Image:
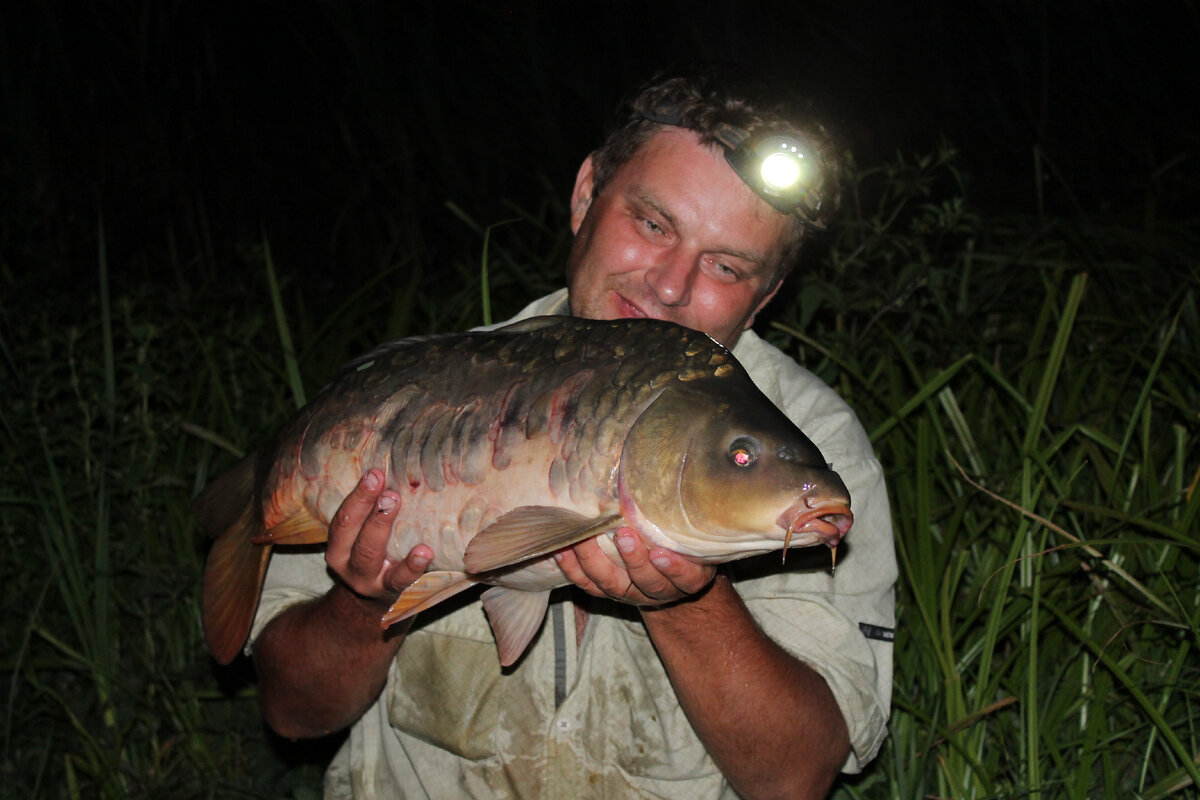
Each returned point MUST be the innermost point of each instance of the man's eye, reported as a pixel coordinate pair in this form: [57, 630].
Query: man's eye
[725, 271]
[652, 226]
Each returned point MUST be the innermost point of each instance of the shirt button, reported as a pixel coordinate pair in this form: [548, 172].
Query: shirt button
[564, 725]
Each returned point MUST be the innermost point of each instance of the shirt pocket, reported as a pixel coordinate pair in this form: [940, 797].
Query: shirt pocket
[445, 685]
[648, 742]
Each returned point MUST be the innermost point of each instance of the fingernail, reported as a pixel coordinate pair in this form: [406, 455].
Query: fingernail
[625, 543]
[386, 504]
[558, 556]
[420, 562]
[372, 480]
[662, 562]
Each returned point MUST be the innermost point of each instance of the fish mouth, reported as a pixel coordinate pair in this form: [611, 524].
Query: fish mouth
[822, 523]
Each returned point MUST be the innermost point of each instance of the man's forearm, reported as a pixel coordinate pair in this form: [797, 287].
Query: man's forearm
[768, 720]
[322, 663]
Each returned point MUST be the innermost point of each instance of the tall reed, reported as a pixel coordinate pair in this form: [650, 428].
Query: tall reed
[1037, 416]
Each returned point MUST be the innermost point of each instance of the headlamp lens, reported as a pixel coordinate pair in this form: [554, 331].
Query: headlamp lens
[780, 171]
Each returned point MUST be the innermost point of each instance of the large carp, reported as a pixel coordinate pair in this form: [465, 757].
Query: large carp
[506, 446]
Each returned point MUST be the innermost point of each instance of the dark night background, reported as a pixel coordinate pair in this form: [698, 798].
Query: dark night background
[375, 141]
[342, 129]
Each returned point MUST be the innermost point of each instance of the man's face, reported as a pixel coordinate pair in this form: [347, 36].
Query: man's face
[674, 235]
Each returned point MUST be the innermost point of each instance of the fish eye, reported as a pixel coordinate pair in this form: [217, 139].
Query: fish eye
[743, 452]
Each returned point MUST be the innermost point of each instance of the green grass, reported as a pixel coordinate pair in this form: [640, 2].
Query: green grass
[1032, 393]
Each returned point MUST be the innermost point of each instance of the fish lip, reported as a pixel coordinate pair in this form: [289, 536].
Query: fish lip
[825, 523]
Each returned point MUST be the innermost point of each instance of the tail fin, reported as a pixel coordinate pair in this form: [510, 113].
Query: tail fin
[229, 509]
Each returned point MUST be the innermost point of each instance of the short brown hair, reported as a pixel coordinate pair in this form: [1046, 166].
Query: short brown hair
[702, 99]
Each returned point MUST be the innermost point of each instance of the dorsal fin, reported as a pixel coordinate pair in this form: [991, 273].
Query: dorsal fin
[531, 324]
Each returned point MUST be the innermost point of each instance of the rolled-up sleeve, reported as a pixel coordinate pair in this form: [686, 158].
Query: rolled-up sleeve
[292, 577]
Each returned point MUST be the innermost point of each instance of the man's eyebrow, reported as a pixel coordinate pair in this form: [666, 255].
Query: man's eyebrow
[758, 261]
[641, 197]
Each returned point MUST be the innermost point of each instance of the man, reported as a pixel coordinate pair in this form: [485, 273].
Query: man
[662, 677]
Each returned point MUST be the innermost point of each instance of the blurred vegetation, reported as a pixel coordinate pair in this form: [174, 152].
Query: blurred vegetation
[1016, 323]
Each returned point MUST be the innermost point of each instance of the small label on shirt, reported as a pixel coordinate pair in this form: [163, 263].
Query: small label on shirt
[877, 632]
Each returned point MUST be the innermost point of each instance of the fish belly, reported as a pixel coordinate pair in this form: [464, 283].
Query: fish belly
[437, 507]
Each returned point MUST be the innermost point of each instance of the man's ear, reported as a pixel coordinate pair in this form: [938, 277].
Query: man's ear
[581, 197]
[762, 304]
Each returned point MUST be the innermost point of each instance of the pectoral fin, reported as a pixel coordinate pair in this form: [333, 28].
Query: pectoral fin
[516, 617]
[528, 532]
[426, 592]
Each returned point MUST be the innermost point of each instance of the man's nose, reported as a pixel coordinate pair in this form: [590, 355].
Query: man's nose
[671, 278]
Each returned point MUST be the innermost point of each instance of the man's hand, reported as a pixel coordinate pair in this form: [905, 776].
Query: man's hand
[649, 576]
[358, 538]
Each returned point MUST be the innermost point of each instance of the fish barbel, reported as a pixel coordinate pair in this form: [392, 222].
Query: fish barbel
[506, 446]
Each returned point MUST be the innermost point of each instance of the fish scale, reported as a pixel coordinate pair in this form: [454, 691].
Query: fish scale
[508, 445]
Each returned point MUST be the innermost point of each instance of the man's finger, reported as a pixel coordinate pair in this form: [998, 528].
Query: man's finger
[686, 576]
[608, 578]
[351, 515]
[369, 551]
[400, 576]
[643, 574]
[568, 562]
[645, 577]
[597, 574]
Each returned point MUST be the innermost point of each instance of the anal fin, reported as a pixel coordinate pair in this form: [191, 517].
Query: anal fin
[515, 617]
[531, 531]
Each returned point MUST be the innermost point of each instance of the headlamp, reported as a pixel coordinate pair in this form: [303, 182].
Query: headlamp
[780, 168]
[778, 165]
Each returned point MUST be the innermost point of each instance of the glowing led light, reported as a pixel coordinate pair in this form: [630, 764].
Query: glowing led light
[780, 171]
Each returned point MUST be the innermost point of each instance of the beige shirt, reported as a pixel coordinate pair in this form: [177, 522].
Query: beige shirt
[597, 718]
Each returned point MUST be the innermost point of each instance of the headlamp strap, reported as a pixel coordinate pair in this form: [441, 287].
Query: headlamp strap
[731, 136]
[728, 135]
[665, 115]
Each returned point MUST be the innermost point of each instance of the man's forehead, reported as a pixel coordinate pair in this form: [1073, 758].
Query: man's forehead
[646, 182]
[670, 149]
